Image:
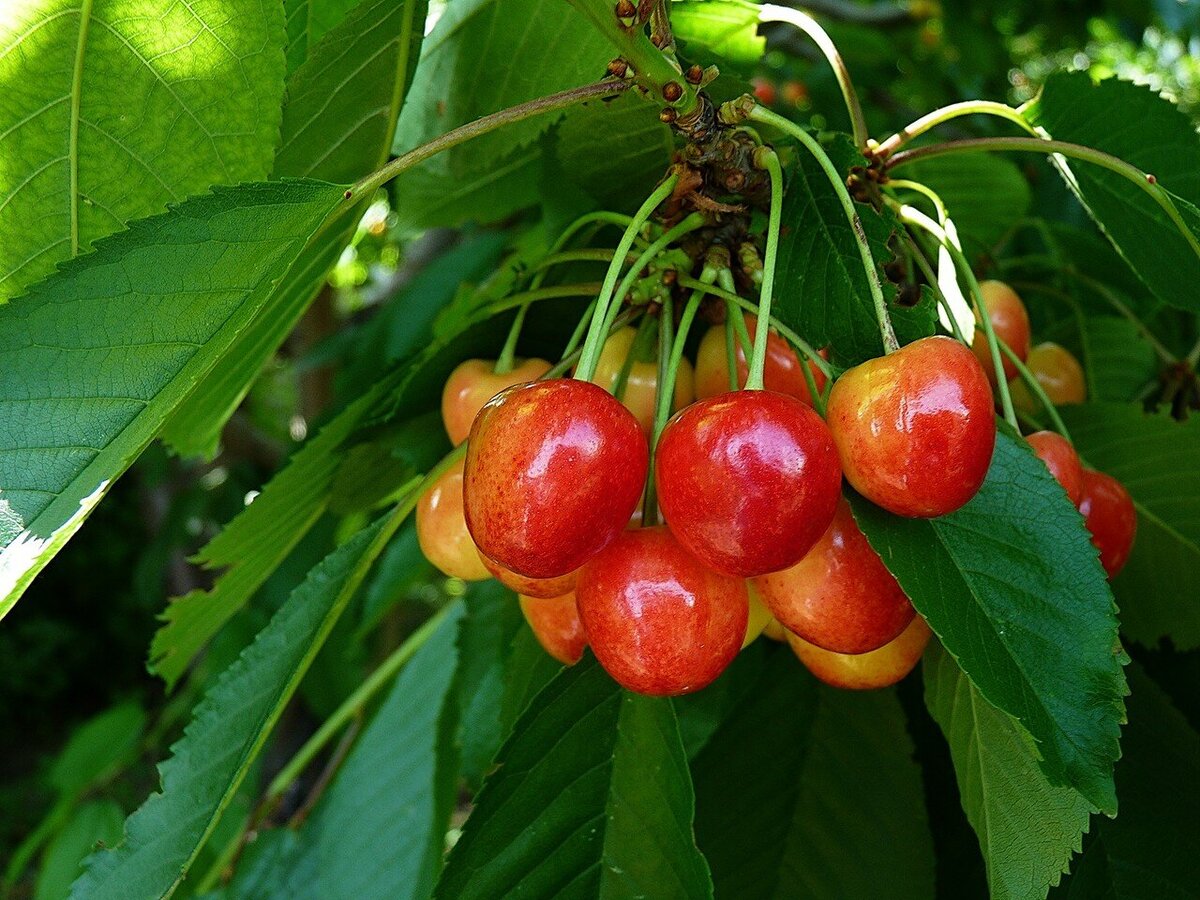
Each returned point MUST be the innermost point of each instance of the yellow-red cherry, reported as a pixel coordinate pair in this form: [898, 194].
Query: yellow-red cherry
[555, 623]
[1057, 371]
[748, 480]
[554, 471]
[781, 369]
[1010, 321]
[640, 394]
[866, 671]
[840, 597]
[658, 620]
[475, 382]
[1111, 517]
[530, 587]
[915, 429]
[1061, 459]
[442, 530]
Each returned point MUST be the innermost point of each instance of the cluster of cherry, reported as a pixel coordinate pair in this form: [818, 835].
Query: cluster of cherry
[758, 537]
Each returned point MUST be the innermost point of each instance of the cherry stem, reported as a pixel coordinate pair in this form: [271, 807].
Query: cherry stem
[504, 364]
[554, 292]
[725, 280]
[766, 158]
[945, 114]
[886, 332]
[595, 337]
[577, 335]
[1035, 387]
[662, 389]
[769, 12]
[637, 348]
[730, 345]
[918, 256]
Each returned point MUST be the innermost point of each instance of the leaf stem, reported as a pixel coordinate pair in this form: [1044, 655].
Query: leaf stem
[945, 114]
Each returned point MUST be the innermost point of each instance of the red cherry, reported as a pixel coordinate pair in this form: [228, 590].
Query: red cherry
[659, 621]
[1010, 321]
[1057, 371]
[841, 596]
[748, 480]
[442, 530]
[541, 588]
[866, 671]
[472, 384]
[554, 471]
[1111, 518]
[1061, 459]
[781, 373]
[915, 429]
[764, 90]
[555, 623]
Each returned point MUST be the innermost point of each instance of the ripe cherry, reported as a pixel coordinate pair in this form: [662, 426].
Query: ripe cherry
[641, 385]
[1111, 517]
[442, 530]
[795, 93]
[1061, 459]
[915, 429]
[866, 671]
[764, 90]
[747, 481]
[1010, 321]
[781, 373]
[1057, 371]
[840, 597]
[554, 470]
[530, 587]
[555, 623]
[659, 621]
[472, 384]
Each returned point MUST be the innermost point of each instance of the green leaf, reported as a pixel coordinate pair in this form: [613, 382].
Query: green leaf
[95, 822]
[1027, 828]
[307, 22]
[1119, 361]
[112, 110]
[230, 725]
[821, 286]
[591, 798]
[98, 749]
[707, 28]
[1158, 138]
[147, 315]
[1155, 458]
[1012, 585]
[338, 123]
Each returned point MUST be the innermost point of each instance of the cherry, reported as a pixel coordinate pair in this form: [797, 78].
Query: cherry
[442, 530]
[758, 619]
[472, 384]
[555, 623]
[764, 90]
[659, 621]
[915, 429]
[782, 372]
[554, 471]
[1061, 459]
[641, 385]
[840, 597]
[1111, 517]
[1057, 371]
[795, 93]
[1010, 321]
[775, 631]
[865, 671]
[541, 588]
[748, 480]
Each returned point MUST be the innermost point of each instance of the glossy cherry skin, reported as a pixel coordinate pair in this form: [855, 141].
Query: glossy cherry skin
[555, 623]
[554, 471]
[1111, 517]
[442, 530]
[1061, 459]
[658, 620]
[540, 588]
[841, 596]
[472, 384]
[1057, 371]
[781, 371]
[915, 429]
[748, 480]
[866, 671]
[1010, 321]
[641, 385]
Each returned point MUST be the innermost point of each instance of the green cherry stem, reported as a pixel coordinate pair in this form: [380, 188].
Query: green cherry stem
[926, 268]
[649, 496]
[1035, 387]
[766, 158]
[730, 346]
[577, 335]
[725, 280]
[504, 364]
[886, 332]
[945, 114]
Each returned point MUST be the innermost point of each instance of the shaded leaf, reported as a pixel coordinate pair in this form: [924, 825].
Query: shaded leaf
[95, 822]
[986, 195]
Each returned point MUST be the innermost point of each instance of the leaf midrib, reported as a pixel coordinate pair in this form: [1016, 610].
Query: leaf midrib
[85, 19]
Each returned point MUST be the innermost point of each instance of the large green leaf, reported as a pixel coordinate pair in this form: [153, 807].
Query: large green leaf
[728, 31]
[307, 22]
[1155, 457]
[338, 122]
[985, 194]
[229, 728]
[1012, 585]
[111, 110]
[94, 359]
[1135, 124]
[1027, 827]
[591, 798]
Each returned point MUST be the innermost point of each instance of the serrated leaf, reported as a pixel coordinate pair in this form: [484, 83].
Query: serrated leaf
[95, 822]
[985, 194]
[1012, 585]
[1155, 458]
[98, 748]
[821, 285]
[229, 727]
[1158, 138]
[338, 123]
[94, 359]
[112, 110]
[1027, 827]
[591, 798]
